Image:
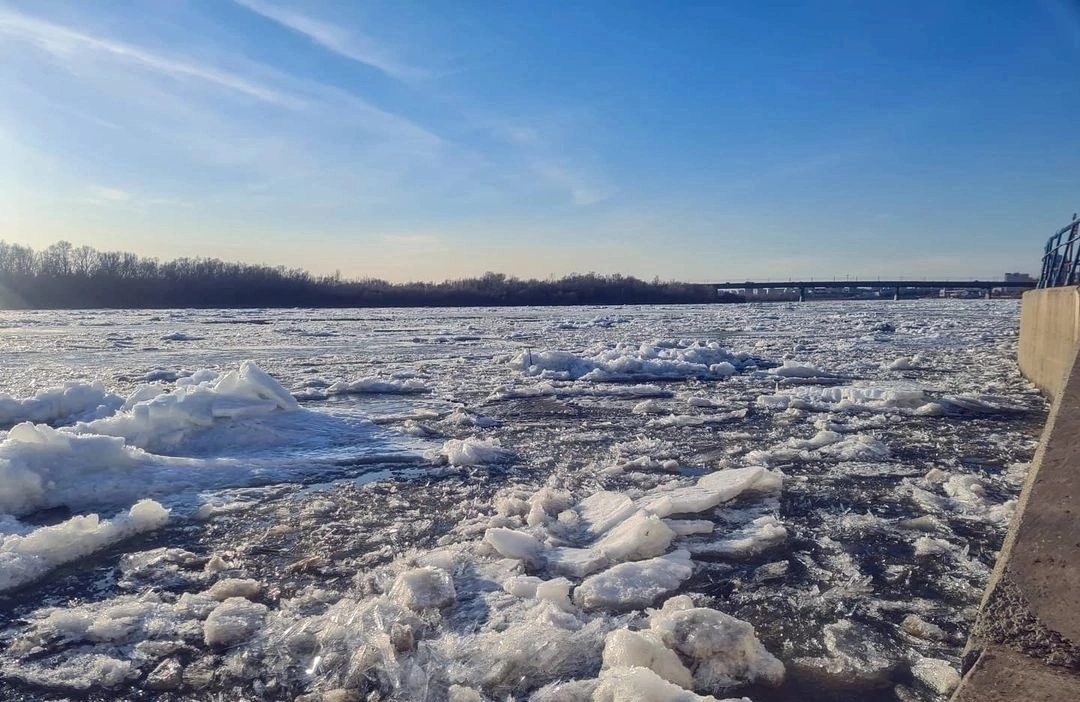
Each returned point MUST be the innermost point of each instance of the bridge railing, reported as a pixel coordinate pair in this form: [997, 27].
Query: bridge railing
[1061, 258]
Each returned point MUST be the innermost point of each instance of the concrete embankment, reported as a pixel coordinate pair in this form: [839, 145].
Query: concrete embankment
[1025, 644]
[1049, 337]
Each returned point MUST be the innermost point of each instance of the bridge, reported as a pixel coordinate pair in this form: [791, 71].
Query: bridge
[988, 286]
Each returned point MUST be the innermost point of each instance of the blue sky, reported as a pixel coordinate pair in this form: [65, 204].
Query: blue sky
[701, 141]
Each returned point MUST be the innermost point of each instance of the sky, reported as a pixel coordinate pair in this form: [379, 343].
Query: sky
[700, 141]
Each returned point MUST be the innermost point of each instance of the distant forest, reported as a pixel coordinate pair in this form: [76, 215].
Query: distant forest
[64, 276]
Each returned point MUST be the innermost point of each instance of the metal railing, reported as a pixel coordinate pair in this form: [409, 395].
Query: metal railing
[1061, 258]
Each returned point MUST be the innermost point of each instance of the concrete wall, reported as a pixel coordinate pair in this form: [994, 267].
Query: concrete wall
[1025, 644]
[1049, 334]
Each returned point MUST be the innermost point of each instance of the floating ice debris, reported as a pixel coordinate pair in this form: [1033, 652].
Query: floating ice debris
[594, 323]
[638, 684]
[42, 467]
[603, 510]
[634, 585]
[723, 369]
[515, 544]
[642, 535]
[857, 661]
[650, 407]
[929, 546]
[689, 527]
[724, 652]
[759, 535]
[645, 649]
[378, 386]
[167, 419]
[233, 621]
[936, 674]
[234, 587]
[475, 452]
[920, 628]
[70, 403]
[710, 490]
[556, 590]
[793, 369]
[25, 558]
[462, 418]
[77, 673]
[904, 363]
[876, 397]
[424, 588]
[662, 360]
[180, 336]
[825, 445]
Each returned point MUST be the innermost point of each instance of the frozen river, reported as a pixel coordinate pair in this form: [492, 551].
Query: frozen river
[769, 501]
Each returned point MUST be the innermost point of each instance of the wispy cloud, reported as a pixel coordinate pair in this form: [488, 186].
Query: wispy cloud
[229, 137]
[583, 190]
[144, 94]
[548, 159]
[70, 44]
[520, 135]
[100, 194]
[351, 45]
[107, 196]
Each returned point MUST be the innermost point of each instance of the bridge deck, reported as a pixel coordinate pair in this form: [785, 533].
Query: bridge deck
[981, 284]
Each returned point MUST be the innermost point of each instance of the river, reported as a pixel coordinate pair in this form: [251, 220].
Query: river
[776, 501]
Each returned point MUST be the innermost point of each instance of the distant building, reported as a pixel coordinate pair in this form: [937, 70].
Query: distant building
[1019, 278]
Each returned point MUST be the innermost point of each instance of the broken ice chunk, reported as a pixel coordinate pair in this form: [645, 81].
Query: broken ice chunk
[424, 588]
[689, 527]
[575, 562]
[634, 585]
[233, 621]
[637, 684]
[709, 491]
[625, 648]
[759, 535]
[936, 674]
[643, 535]
[603, 510]
[856, 660]
[514, 544]
[725, 652]
[234, 587]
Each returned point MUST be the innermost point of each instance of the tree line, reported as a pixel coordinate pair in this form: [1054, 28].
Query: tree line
[64, 276]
